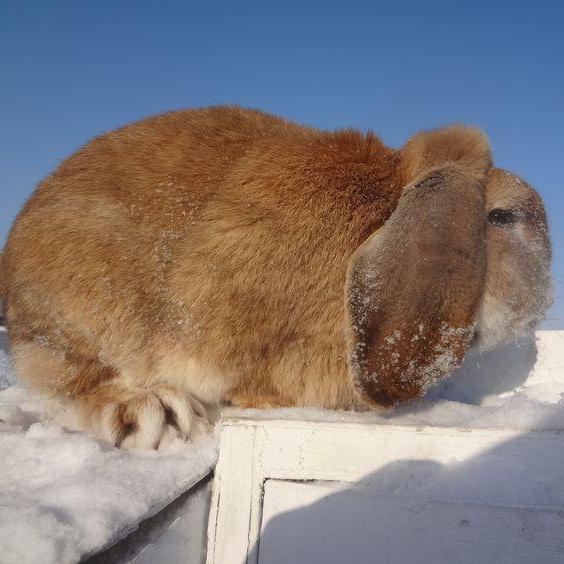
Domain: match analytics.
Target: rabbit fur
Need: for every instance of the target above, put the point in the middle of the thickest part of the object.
(227, 255)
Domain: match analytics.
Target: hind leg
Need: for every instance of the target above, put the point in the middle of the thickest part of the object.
(134, 417)
(107, 403)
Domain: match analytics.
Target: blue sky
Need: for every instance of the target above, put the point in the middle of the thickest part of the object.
(71, 70)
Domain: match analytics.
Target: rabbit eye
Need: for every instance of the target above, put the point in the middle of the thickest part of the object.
(499, 216)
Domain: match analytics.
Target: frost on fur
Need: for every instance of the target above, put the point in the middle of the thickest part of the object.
(407, 362)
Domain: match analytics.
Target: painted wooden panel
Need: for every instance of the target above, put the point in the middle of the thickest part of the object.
(441, 483)
(357, 491)
(330, 523)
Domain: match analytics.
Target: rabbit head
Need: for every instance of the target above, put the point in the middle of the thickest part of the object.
(518, 287)
(463, 260)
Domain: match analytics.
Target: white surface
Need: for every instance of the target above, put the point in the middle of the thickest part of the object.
(486, 487)
(337, 524)
(64, 494)
(390, 494)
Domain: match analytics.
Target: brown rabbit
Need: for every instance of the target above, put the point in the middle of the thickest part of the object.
(224, 254)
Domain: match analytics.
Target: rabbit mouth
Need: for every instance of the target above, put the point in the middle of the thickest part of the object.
(497, 323)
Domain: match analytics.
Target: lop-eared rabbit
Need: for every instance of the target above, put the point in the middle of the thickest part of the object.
(227, 255)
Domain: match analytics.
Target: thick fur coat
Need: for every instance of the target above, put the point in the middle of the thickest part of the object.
(225, 254)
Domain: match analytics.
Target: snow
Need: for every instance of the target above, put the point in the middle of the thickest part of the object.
(518, 387)
(64, 495)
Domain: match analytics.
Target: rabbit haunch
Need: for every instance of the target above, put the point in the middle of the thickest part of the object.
(225, 254)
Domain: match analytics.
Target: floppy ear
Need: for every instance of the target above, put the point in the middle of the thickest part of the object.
(413, 287)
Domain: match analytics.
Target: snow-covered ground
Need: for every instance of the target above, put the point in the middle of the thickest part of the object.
(64, 495)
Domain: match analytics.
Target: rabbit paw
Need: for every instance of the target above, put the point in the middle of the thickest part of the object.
(153, 419)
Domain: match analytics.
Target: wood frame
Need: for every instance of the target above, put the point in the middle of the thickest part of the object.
(347, 448)
(254, 451)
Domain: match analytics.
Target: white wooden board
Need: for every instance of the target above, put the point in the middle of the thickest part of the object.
(340, 523)
(352, 491)
(388, 494)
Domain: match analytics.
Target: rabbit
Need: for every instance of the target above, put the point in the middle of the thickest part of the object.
(227, 256)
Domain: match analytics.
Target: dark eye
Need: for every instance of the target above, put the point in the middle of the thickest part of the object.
(499, 216)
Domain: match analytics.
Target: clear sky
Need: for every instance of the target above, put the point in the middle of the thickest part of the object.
(71, 70)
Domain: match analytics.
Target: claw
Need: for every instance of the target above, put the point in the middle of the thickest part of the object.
(153, 419)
